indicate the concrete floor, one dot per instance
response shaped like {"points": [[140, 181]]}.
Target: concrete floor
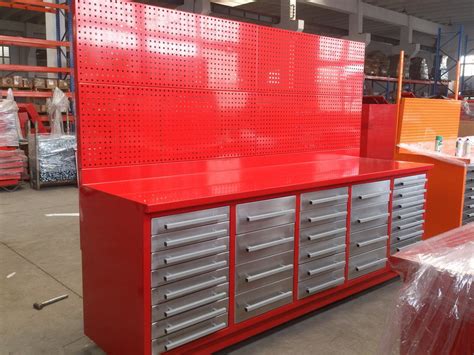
{"points": [[44, 254]]}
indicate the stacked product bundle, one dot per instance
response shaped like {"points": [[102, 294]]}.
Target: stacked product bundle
{"points": [[12, 159]]}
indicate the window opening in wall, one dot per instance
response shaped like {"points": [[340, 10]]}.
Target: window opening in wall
{"points": [[4, 55]]}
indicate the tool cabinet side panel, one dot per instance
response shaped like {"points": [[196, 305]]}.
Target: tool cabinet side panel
{"points": [[112, 246]]}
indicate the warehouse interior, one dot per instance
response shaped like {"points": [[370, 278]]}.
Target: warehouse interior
{"points": [[236, 176]]}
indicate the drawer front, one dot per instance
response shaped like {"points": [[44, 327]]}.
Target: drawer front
{"points": [[366, 263], [410, 181], [186, 287], [409, 192], [404, 224], [395, 248], [324, 198], [189, 220], [190, 252], [369, 239], [256, 245], [263, 299], [407, 213], [188, 335], [321, 283], [323, 232], [193, 268], [187, 303], [370, 193], [409, 202], [368, 217], [264, 271], [185, 320], [324, 215], [189, 236], [406, 234], [322, 249], [265, 214], [321, 266]]}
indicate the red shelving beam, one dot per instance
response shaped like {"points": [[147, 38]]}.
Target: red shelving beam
{"points": [[30, 93], [32, 5], [32, 68], [32, 42]]}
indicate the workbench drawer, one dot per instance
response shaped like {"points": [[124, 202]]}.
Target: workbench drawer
{"points": [[370, 193], [366, 263], [259, 244], [189, 252], [185, 320], [182, 271], [321, 283], [395, 248], [321, 266], [323, 215], [189, 236], [263, 299], [407, 213], [187, 220], [264, 271], [409, 202], [323, 232], [408, 192], [322, 249], [186, 287], [188, 335], [404, 224], [406, 234], [414, 180], [265, 214], [369, 239], [324, 198], [190, 302], [369, 217]]}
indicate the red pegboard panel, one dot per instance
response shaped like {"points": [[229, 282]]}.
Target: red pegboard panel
{"points": [[157, 85]]}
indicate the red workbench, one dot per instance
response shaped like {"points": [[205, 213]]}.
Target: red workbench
{"points": [[435, 313]]}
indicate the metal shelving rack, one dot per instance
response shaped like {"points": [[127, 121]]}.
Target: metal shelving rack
{"points": [[466, 89]]}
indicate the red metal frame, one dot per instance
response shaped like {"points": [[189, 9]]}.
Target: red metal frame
{"points": [[31, 42], [33, 5], [33, 68], [29, 93]]}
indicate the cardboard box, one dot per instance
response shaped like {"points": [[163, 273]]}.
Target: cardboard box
{"points": [[39, 83], [63, 85], [7, 82], [26, 83], [51, 83], [17, 81]]}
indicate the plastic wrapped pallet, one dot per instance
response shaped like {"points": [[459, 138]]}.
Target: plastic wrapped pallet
{"points": [[419, 69], [58, 104], [393, 68], [376, 63], [56, 159], [434, 313], [10, 130]]}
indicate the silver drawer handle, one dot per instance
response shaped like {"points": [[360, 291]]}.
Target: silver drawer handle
{"points": [[273, 243], [470, 215], [411, 214], [328, 216], [323, 286], [406, 246], [173, 311], [375, 194], [409, 225], [215, 313], [281, 296], [327, 251], [411, 193], [411, 235], [195, 270], [470, 189], [269, 215], [470, 206], [471, 197], [194, 288], [326, 234], [326, 268], [194, 222], [373, 241], [372, 218], [264, 274], [371, 264], [328, 199], [174, 344], [411, 204], [412, 182], [195, 238], [193, 255]]}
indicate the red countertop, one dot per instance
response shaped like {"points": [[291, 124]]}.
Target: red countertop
{"points": [[222, 180]]}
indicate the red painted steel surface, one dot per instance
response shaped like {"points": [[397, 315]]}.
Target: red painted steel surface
{"points": [[157, 85]]}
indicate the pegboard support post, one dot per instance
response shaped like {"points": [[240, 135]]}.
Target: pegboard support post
{"points": [[196, 6]]}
